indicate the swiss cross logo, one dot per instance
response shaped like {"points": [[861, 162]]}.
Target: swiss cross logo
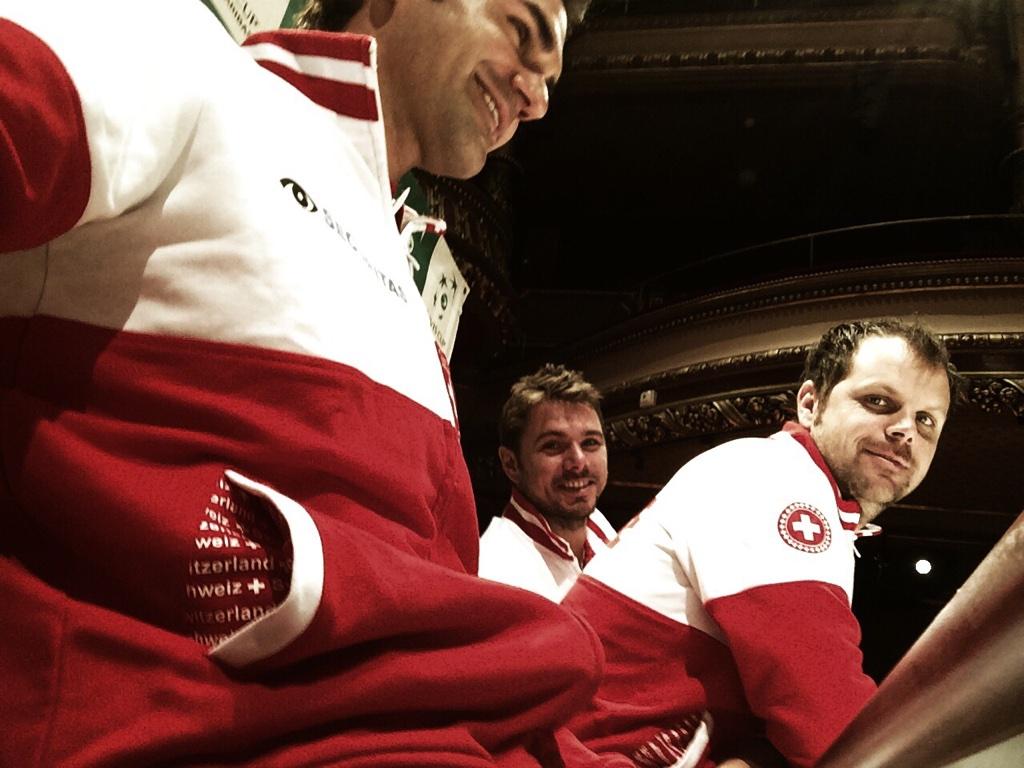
{"points": [[803, 527]]}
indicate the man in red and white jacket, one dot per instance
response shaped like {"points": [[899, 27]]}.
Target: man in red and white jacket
{"points": [[554, 455], [724, 607], [237, 524]]}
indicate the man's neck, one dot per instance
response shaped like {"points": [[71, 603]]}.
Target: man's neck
{"points": [[398, 144], [869, 510], [396, 138], [572, 529]]}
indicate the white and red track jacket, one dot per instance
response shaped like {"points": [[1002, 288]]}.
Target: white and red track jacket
{"points": [[519, 548], [237, 524], [724, 610]]}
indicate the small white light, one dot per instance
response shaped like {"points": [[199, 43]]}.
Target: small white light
{"points": [[924, 567]]}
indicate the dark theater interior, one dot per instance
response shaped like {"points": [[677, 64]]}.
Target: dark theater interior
{"points": [[715, 184]]}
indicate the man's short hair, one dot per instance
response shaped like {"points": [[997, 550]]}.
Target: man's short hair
{"points": [[828, 362], [575, 11], [334, 15], [550, 382], [329, 15]]}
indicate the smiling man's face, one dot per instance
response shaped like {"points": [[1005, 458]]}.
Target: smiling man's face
{"points": [[459, 76], [561, 466], [879, 427]]}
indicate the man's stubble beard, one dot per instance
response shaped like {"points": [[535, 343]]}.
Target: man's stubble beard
{"points": [[570, 521], [852, 485]]}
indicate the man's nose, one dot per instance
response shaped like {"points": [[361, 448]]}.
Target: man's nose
{"points": [[532, 89], [903, 427], [574, 457]]}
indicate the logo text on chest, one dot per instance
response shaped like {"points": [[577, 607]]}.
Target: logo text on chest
{"points": [[307, 204]]}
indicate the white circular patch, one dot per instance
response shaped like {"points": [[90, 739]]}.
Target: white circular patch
{"points": [[803, 527]]}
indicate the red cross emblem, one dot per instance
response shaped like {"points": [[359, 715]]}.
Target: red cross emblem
{"points": [[803, 527]]}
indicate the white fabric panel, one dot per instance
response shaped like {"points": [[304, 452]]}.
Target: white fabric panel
{"points": [[713, 531], [257, 267]]}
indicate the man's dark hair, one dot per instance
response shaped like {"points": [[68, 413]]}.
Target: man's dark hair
{"points": [[550, 382], [334, 15], [329, 15], [828, 362], [575, 11]]}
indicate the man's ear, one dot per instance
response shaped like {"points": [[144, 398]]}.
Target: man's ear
{"points": [[807, 404], [380, 11], [509, 463]]}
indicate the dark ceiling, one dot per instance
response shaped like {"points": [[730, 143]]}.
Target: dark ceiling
{"points": [[683, 131]]}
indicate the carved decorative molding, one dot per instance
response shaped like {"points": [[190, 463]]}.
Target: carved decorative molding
{"points": [[821, 286], [998, 395], [983, 341], [495, 296], [751, 57], [605, 19], [707, 369], [478, 216], [941, 40], [472, 216], [701, 417]]}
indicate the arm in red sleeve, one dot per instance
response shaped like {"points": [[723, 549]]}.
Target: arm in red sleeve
{"points": [[408, 635], [796, 648], [44, 155]]}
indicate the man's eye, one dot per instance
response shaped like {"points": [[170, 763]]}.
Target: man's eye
{"points": [[592, 445], [925, 419], [877, 401]]}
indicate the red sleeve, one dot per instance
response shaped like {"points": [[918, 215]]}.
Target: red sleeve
{"points": [[44, 154], [413, 636], [796, 649]]}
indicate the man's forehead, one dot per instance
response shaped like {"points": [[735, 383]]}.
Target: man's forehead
{"points": [[881, 343], [556, 415], [888, 362], [880, 353]]}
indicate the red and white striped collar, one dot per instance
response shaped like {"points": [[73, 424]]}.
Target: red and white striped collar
{"points": [[338, 71], [524, 514], [849, 510]]}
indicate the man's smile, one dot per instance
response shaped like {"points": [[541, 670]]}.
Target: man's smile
{"points": [[890, 458], [493, 110]]}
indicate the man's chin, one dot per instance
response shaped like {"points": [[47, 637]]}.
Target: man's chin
{"points": [[873, 504], [869, 510], [572, 514], [880, 490], [461, 162], [465, 170]]}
